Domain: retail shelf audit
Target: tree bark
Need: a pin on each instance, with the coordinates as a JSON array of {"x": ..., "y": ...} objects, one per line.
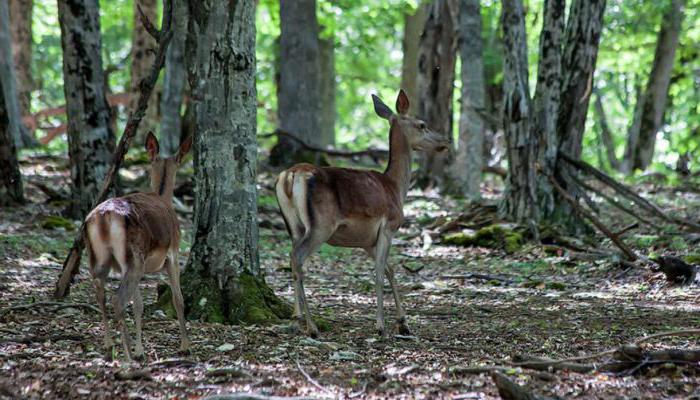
[
  {"x": 174, "y": 79},
  {"x": 436, "y": 75},
  {"x": 142, "y": 55},
  {"x": 223, "y": 281},
  {"x": 10, "y": 176},
  {"x": 21, "y": 32},
  {"x": 605, "y": 133},
  {"x": 9, "y": 80},
  {"x": 412, "y": 30},
  {"x": 469, "y": 160},
  {"x": 327, "y": 82},
  {"x": 90, "y": 139},
  {"x": 649, "y": 114},
  {"x": 299, "y": 91},
  {"x": 581, "y": 42},
  {"x": 519, "y": 198}
]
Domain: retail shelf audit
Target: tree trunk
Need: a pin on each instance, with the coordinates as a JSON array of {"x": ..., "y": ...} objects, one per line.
[
  {"x": 21, "y": 32},
  {"x": 546, "y": 105},
  {"x": 469, "y": 160},
  {"x": 142, "y": 56},
  {"x": 328, "y": 111},
  {"x": 174, "y": 79},
  {"x": 519, "y": 197},
  {"x": 605, "y": 133},
  {"x": 412, "y": 30},
  {"x": 223, "y": 281},
  {"x": 436, "y": 75},
  {"x": 299, "y": 92},
  {"x": 10, "y": 176},
  {"x": 9, "y": 80},
  {"x": 578, "y": 65},
  {"x": 90, "y": 139},
  {"x": 649, "y": 114}
]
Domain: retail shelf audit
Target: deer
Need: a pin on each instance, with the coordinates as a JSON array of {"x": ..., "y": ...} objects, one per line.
[
  {"x": 134, "y": 235},
  {"x": 356, "y": 208}
]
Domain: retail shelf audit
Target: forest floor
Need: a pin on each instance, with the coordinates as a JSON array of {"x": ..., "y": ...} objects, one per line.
[{"x": 467, "y": 306}]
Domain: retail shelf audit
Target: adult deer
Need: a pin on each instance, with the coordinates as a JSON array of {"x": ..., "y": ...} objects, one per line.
[
  {"x": 138, "y": 234},
  {"x": 354, "y": 208}
]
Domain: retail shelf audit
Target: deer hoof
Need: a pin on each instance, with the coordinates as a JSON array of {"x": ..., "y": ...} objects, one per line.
[
  {"x": 403, "y": 329},
  {"x": 312, "y": 331}
]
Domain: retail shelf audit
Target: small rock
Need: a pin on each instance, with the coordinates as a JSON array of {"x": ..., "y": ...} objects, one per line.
[
  {"x": 344, "y": 356},
  {"x": 225, "y": 347},
  {"x": 159, "y": 314}
]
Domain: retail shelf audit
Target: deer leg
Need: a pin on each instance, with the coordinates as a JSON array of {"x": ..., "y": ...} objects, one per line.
[
  {"x": 381, "y": 252},
  {"x": 125, "y": 293},
  {"x": 400, "y": 313},
  {"x": 178, "y": 302},
  {"x": 138, "y": 315},
  {"x": 99, "y": 282},
  {"x": 299, "y": 254}
]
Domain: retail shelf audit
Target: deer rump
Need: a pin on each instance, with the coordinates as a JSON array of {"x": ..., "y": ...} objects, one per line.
[
  {"x": 138, "y": 225},
  {"x": 349, "y": 205}
]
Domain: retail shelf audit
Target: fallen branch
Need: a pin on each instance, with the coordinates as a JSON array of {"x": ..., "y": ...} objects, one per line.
[
  {"x": 41, "y": 338},
  {"x": 57, "y": 304},
  {"x": 375, "y": 154},
  {"x": 70, "y": 265},
  {"x": 137, "y": 374},
  {"x": 510, "y": 390},
  {"x": 310, "y": 379},
  {"x": 485, "y": 277},
  {"x": 615, "y": 239}
]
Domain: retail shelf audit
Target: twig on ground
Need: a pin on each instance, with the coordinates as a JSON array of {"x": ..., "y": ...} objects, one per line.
[
  {"x": 510, "y": 390},
  {"x": 310, "y": 379},
  {"x": 485, "y": 277},
  {"x": 57, "y": 304},
  {"x": 137, "y": 374},
  {"x": 42, "y": 338}
]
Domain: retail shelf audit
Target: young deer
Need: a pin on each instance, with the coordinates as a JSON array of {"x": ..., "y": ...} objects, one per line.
[
  {"x": 138, "y": 234},
  {"x": 354, "y": 208}
]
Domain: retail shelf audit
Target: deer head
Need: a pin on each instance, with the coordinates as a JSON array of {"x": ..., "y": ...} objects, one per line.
[
  {"x": 419, "y": 136},
  {"x": 163, "y": 169}
]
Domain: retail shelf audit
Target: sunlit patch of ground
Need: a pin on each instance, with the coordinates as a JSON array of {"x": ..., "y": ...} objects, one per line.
[{"x": 546, "y": 306}]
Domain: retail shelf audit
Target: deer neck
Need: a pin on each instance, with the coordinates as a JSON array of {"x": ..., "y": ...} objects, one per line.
[
  {"x": 399, "y": 167},
  {"x": 163, "y": 182}
]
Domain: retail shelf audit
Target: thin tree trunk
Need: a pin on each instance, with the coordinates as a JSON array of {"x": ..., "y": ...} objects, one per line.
[
  {"x": 174, "y": 79},
  {"x": 142, "y": 55},
  {"x": 412, "y": 30},
  {"x": 10, "y": 176},
  {"x": 299, "y": 92},
  {"x": 21, "y": 32},
  {"x": 519, "y": 199},
  {"x": 469, "y": 160},
  {"x": 328, "y": 111},
  {"x": 90, "y": 139},
  {"x": 605, "y": 133},
  {"x": 9, "y": 80},
  {"x": 656, "y": 93},
  {"x": 223, "y": 280},
  {"x": 581, "y": 42},
  {"x": 436, "y": 75}
]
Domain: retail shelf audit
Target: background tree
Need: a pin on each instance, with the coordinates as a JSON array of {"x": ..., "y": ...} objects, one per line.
[
  {"x": 649, "y": 112},
  {"x": 10, "y": 177},
  {"x": 413, "y": 24},
  {"x": 142, "y": 55},
  {"x": 21, "y": 32},
  {"x": 469, "y": 160},
  {"x": 299, "y": 91},
  {"x": 436, "y": 73},
  {"x": 9, "y": 81},
  {"x": 223, "y": 281},
  {"x": 327, "y": 90},
  {"x": 174, "y": 79},
  {"x": 90, "y": 139}
]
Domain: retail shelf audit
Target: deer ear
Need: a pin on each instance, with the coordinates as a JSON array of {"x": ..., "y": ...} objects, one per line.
[
  {"x": 402, "y": 102},
  {"x": 380, "y": 108},
  {"x": 152, "y": 145},
  {"x": 184, "y": 149}
]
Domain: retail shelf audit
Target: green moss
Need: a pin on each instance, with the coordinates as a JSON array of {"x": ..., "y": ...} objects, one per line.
[
  {"x": 55, "y": 222},
  {"x": 322, "y": 324},
  {"x": 678, "y": 243},
  {"x": 692, "y": 258},
  {"x": 267, "y": 201},
  {"x": 492, "y": 236},
  {"x": 645, "y": 240}
]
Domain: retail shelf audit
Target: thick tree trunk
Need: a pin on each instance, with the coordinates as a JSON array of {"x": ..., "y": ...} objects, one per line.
[
  {"x": 10, "y": 177},
  {"x": 174, "y": 79},
  {"x": 649, "y": 114},
  {"x": 578, "y": 65},
  {"x": 520, "y": 198},
  {"x": 412, "y": 30},
  {"x": 223, "y": 281},
  {"x": 299, "y": 91},
  {"x": 9, "y": 80},
  {"x": 469, "y": 160},
  {"x": 21, "y": 32},
  {"x": 546, "y": 103},
  {"x": 142, "y": 56},
  {"x": 436, "y": 75},
  {"x": 328, "y": 111},
  {"x": 90, "y": 139}
]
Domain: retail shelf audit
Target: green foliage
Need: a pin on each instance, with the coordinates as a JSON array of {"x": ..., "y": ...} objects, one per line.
[
  {"x": 57, "y": 222},
  {"x": 492, "y": 236}
]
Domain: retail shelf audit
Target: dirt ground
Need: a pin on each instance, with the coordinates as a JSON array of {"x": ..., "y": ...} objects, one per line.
[{"x": 535, "y": 302}]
